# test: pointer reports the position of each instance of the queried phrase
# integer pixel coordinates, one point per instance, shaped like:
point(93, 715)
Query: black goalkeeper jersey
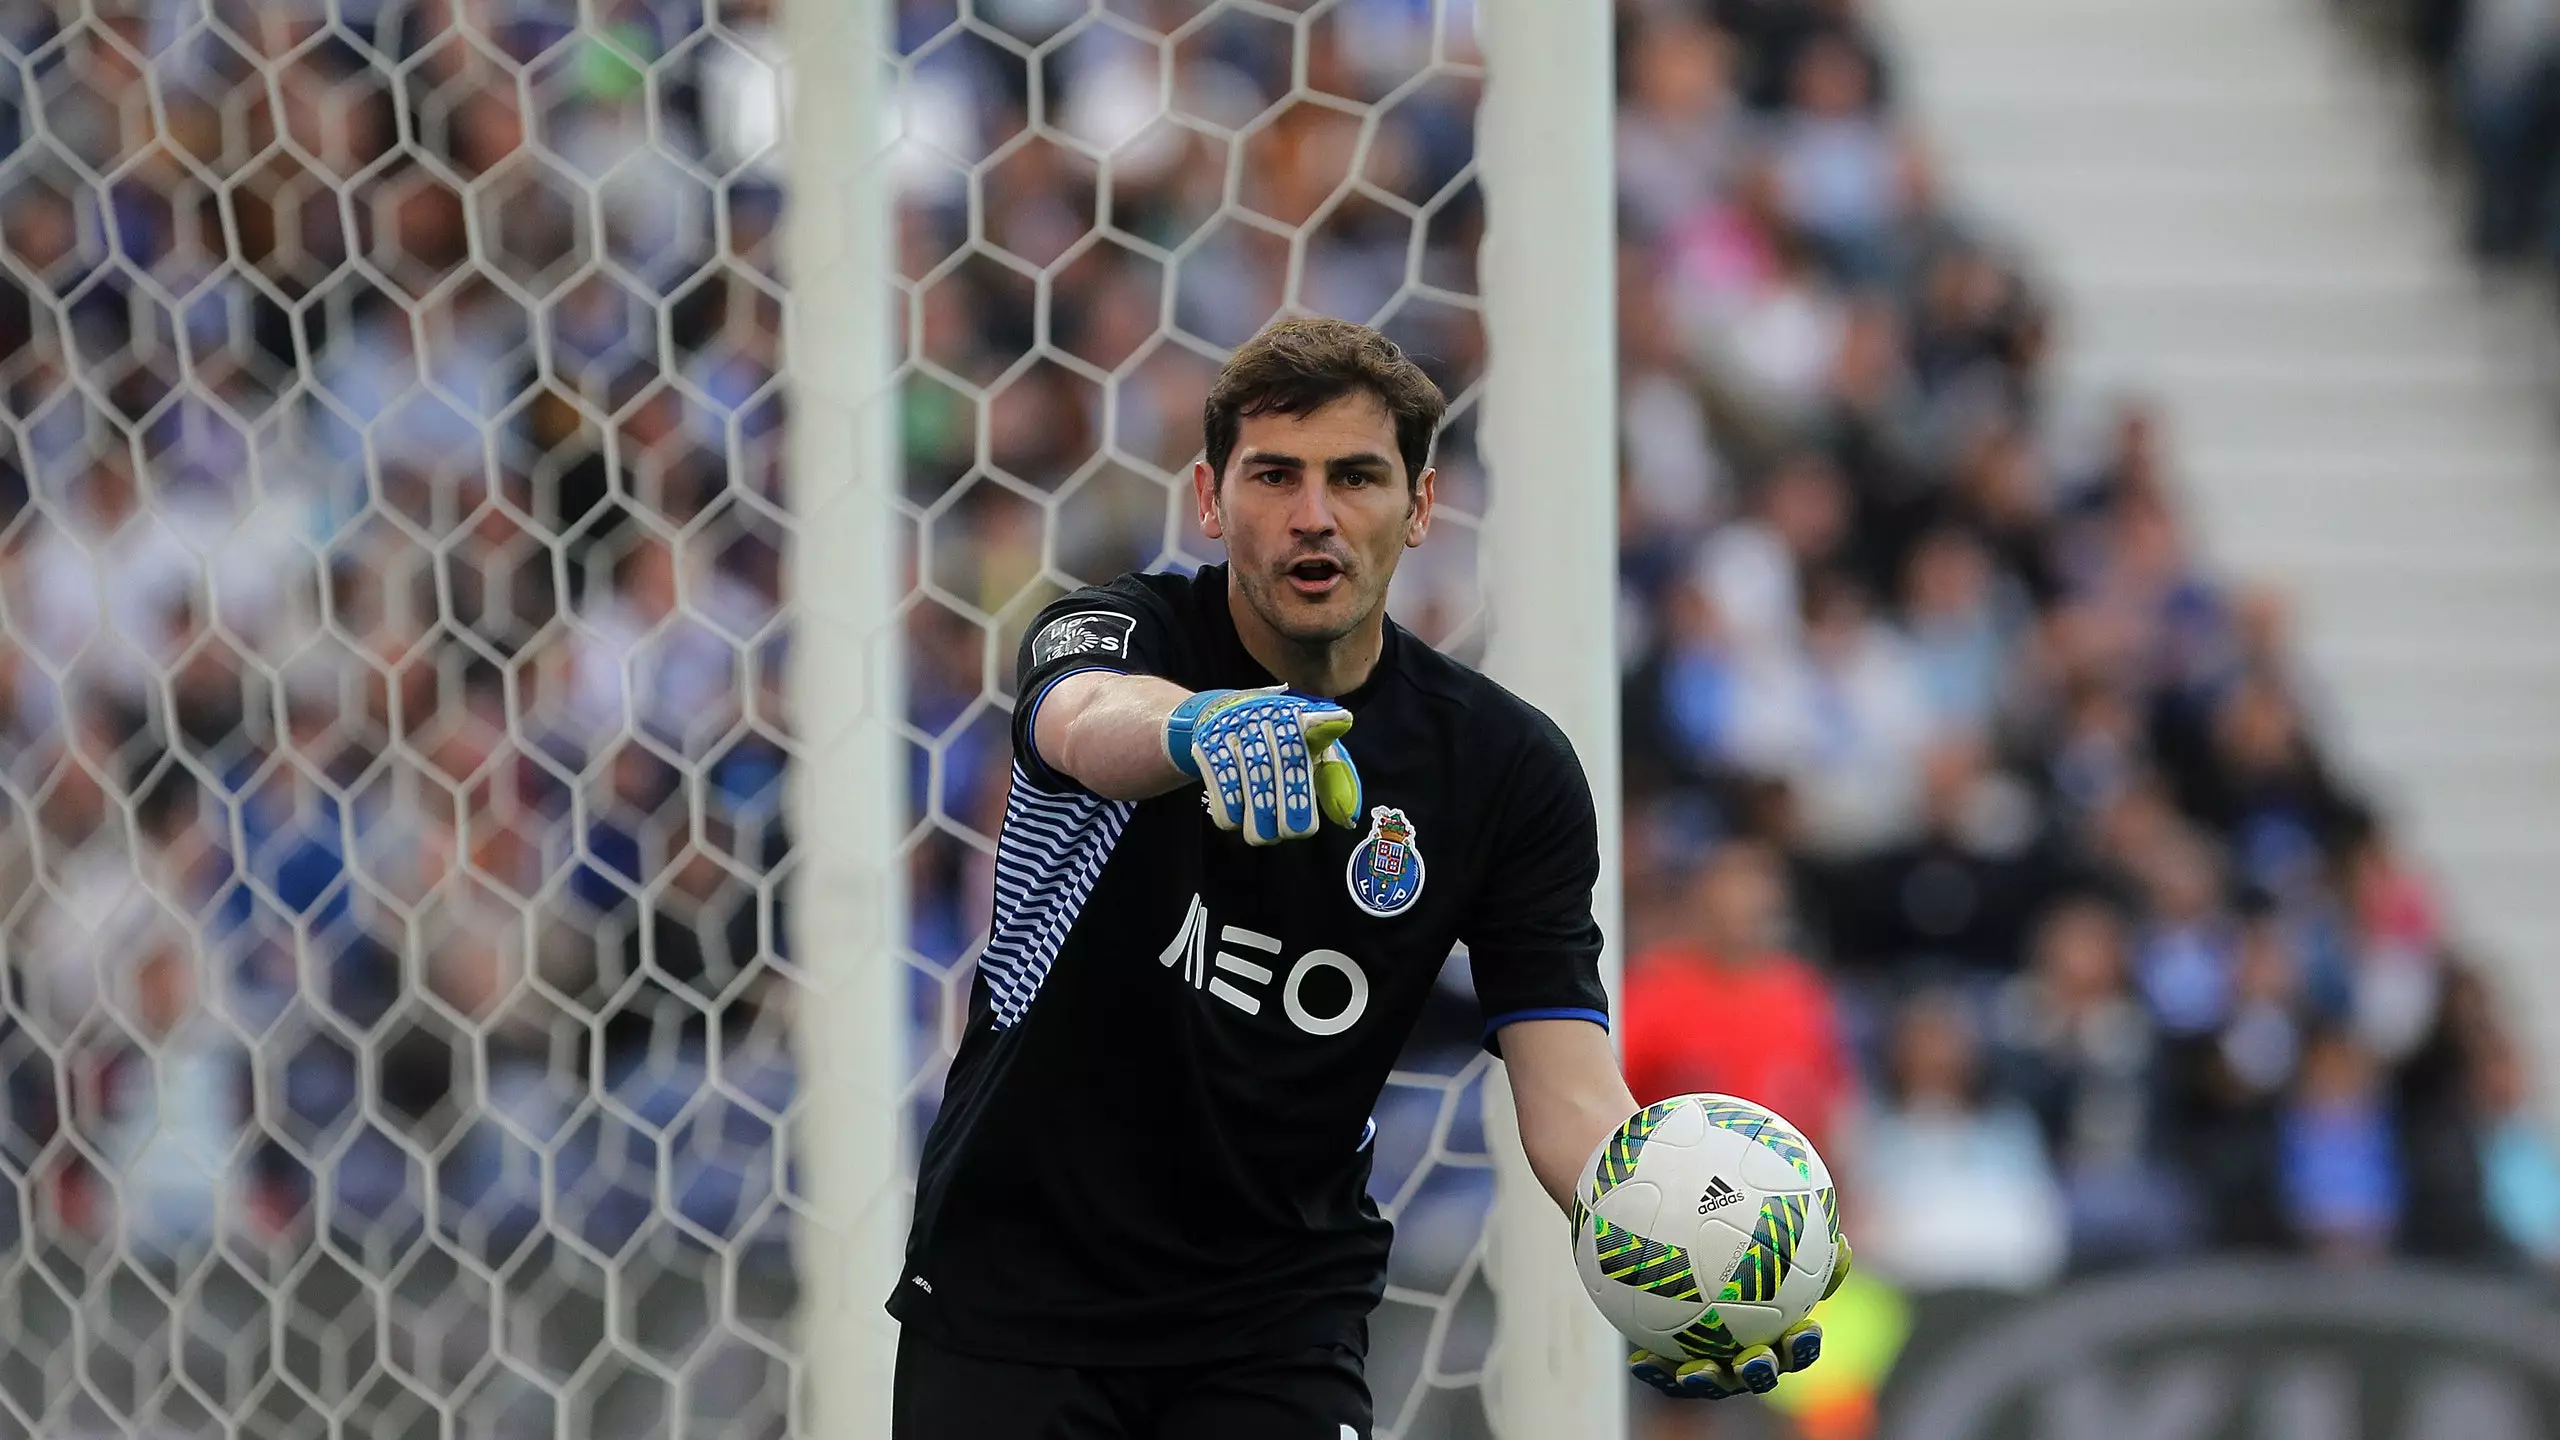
point(1154, 1144)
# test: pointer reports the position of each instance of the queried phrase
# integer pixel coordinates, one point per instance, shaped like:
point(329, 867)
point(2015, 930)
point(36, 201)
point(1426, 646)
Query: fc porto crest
point(1385, 875)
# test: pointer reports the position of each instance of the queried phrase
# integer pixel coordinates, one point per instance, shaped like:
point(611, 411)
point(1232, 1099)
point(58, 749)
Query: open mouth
point(1315, 575)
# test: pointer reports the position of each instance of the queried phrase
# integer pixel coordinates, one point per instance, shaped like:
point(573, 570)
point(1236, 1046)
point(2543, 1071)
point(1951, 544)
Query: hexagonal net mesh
point(397, 614)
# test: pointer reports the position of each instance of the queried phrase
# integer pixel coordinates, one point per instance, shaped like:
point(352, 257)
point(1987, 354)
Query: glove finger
point(1840, 1263)
point(1293, 766)
point(1221, 780)
point(1707, 1380)
point(1338, 786)
point(1800, 1347)
point(1758, 1369)
point(1258, 752)
point(1323, 725)
point(1655, 1370)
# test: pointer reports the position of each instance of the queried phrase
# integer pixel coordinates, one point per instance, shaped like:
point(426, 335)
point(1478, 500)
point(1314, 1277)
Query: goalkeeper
point(1142, 1210)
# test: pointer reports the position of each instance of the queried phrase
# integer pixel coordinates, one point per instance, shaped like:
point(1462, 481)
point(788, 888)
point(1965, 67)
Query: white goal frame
point(1549, 280)
point(849, 910)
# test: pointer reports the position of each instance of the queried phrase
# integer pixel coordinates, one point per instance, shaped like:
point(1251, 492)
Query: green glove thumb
point(1337, 779)
point(1839, 1269)
point(1322, 733)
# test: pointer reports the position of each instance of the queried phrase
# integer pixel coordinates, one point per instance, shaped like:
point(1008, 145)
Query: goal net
point(402, 583)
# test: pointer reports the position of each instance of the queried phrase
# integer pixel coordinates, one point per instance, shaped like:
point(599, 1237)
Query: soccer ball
point(1704, 1226)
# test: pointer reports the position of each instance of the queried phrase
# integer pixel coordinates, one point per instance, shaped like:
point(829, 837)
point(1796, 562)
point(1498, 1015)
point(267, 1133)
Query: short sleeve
point(1532, 943)
point(1122, 628)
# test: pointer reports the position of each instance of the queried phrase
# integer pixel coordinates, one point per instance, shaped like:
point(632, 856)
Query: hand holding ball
point(1706, 1230)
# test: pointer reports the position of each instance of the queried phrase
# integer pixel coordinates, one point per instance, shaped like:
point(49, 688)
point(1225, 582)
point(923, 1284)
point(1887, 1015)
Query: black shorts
point(1314, 1394)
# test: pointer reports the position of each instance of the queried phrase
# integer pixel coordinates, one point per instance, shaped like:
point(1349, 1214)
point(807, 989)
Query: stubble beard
point(1299, 624)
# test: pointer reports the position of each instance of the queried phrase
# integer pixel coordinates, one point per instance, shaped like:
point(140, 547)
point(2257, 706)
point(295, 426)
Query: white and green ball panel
point(1619, 1153)
point(1803, 1168)
point(1641, 1264)
point(1705, 1285)
point(1654, 1292)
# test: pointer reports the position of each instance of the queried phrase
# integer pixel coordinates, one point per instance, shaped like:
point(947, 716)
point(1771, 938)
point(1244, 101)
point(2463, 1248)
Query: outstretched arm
point(1272, 761)
point(1106, 732)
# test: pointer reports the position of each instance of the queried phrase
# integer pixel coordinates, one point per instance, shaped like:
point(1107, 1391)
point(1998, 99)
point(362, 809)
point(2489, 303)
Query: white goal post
point(846, 700)
point(1551, 563)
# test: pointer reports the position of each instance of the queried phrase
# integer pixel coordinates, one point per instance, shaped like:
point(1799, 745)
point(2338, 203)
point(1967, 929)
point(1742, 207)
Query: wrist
point(1179, 725)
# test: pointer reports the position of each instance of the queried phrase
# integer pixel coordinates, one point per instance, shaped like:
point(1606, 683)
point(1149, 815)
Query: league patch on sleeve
point(1092, 632)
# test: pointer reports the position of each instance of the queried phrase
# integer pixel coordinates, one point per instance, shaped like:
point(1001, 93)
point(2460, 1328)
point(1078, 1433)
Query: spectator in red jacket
point(1722, 1006)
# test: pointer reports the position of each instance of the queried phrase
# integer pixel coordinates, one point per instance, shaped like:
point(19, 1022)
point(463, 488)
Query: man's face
point(1315, 510)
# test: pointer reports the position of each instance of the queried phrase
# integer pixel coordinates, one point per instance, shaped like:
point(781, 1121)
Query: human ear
point(1204, 493)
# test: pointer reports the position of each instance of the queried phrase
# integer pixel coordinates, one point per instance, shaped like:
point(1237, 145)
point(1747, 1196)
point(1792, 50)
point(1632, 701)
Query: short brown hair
point(1299, 366)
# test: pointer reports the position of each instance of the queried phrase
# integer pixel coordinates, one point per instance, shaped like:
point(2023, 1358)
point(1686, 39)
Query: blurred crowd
point(2489, 71)
point(392, 547)
point(1973, 820)
point(390, 722)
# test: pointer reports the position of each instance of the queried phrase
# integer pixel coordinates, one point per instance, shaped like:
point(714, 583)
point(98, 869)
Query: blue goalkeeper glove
point(1755, 1371)
point(1270, 761)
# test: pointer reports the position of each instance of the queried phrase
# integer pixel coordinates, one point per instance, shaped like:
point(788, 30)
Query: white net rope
point(395, 619)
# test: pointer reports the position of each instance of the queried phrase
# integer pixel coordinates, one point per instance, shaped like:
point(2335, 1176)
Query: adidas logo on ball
point(1718, 1196)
